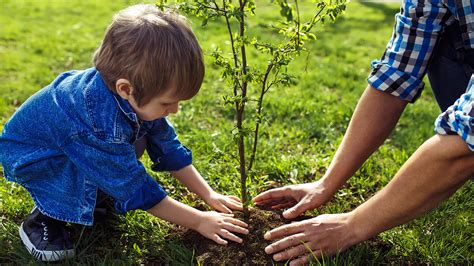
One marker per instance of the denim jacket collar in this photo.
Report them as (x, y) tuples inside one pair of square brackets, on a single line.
[(123, 105), (127, 110)]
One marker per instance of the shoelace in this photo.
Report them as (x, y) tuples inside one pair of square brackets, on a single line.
[(45, 231)]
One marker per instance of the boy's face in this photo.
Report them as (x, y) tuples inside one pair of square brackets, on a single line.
[(158, 107)]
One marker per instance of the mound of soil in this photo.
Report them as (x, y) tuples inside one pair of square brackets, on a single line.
[(250, 252)]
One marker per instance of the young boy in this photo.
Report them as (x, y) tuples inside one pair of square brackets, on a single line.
[(86, 130)]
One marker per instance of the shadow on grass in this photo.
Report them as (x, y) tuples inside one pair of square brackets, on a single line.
[(345, 24), (388, 11)]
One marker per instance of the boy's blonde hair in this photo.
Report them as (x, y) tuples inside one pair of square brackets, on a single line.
[(155, 50)]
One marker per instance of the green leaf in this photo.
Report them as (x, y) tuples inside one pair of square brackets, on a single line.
[(137, 249)]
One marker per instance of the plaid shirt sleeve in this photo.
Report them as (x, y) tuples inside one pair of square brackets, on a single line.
[(403, 65), (459, 118)]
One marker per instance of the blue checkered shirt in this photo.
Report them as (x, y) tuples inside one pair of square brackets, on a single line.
[(418, 26), (404, 63), (459, 118)]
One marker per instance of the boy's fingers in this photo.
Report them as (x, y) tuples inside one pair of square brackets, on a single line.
[(226, 234), (235, 201), (222, 208), (234, 198), (218, 240), (234, 228), (234, 205), (226, 210), (238, 203), (227, 214), (236, 222)]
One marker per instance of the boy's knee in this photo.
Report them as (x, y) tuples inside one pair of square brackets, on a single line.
[(140, 147)]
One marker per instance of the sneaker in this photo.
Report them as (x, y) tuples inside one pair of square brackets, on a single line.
[(46, 238)]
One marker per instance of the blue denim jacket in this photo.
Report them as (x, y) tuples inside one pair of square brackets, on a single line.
[(75, 136)]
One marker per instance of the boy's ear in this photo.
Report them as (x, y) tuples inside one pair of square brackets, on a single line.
[(124, 88)]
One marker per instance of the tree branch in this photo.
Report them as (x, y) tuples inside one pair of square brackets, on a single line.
[(259, 113)]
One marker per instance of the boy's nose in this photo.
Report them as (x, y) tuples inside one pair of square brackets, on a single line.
[(174, 108)]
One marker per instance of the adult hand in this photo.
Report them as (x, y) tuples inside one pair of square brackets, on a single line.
[(326, 234), (299, 198), (219, 226), (223, 203)]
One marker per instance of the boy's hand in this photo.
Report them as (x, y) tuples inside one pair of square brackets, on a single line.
[(223, 203), (217, 226)]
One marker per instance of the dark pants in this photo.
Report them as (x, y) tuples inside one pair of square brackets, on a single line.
[(450, 68)]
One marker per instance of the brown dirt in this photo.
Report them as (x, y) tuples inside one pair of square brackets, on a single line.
[(250, 252)]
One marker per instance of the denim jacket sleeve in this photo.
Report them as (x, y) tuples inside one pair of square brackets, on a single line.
[(164, 148), (114, 168)]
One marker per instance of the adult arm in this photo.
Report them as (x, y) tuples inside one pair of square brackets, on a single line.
[(374, 118), (433, 173), (439, 167), (399, 72)]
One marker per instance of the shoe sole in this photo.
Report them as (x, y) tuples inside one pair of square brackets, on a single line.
[(44, 255)]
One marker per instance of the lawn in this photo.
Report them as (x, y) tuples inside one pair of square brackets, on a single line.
[(302, 128)]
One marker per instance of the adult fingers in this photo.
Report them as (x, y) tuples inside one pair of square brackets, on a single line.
[(306, 259), (234, 228), (284, 230), (290, 241), (298, 209), (292, 253), (271, 202), (272, 194), (228, 235), (300, 261), (284, 205), (216, 238)]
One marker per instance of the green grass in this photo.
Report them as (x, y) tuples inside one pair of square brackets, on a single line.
[(303, 126)]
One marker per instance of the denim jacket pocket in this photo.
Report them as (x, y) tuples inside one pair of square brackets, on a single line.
[(36, 162)]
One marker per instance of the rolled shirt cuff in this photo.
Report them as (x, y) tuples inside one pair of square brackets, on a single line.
[(174, 161), (459, 119), (398, 83), (147, 196)]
